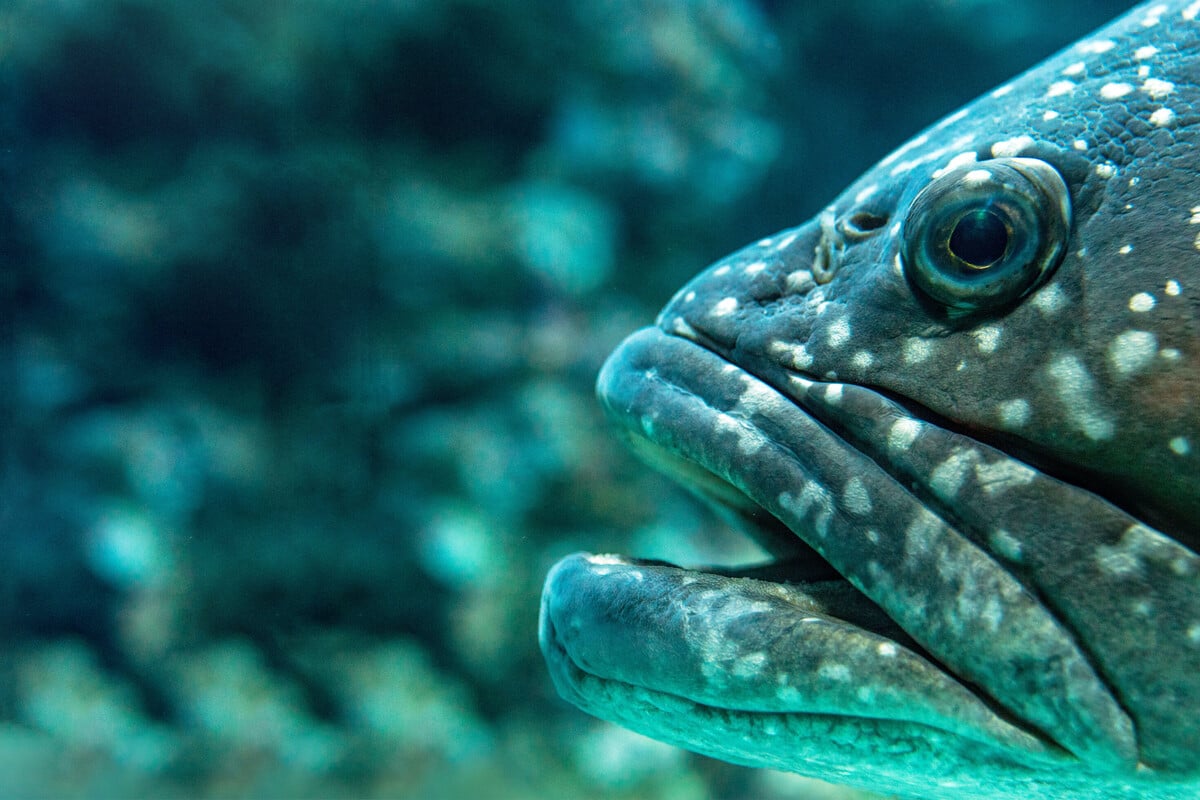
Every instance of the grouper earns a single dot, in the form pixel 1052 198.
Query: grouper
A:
pixel 960 409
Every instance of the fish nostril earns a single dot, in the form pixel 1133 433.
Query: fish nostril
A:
pixel 862 224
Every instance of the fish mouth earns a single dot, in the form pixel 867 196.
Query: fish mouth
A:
pixel 877 621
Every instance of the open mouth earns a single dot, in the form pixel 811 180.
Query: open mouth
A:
pixel 877 610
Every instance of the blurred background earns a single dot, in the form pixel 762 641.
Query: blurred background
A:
pixel 301 304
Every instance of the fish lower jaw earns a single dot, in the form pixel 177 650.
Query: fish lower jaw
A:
pixel 718 665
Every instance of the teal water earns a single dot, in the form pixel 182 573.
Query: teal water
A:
pixel 300 312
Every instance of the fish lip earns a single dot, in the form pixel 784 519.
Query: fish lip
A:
pixel 679 395
pixel 621 390
pixel 586 613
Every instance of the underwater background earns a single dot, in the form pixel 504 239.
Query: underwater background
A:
pixel 301 304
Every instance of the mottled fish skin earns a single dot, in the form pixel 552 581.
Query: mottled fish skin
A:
pixel 1002 467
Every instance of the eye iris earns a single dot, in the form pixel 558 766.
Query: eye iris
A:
pixel 983 235
pixel 980 238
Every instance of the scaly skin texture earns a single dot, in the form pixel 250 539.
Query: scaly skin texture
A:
pixel 1005 493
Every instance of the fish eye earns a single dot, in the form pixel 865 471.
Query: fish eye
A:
pixel 984 235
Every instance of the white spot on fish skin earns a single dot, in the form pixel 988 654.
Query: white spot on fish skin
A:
pixel 1097 46
pixel 920 533
pixel 948 476
pixel 689 297
pixel 1125 249
pixel 833 393
pixel 791 355
pixel 992 613
pixel 1132 351
pixel 813 497
pixel 801 383
pixel 749 665
pixel 839 333
pixel 1059 88
pixel 764 242
pixel 1147 51
pixel 604 559
pixel 855 497
pixel 1143 71
pixel 1169 354
pixel 1079 144
pixel 785 243
pixel 1049 299
pixel 886 649
pixel 754 268
pixel 987 338
pixel 1162 117
pixel 1075 69
pixel 1153 16
pixel 1003 90
pixel 1157 89
pixel 977 176
pixel 1121 559
pixel 1014 413
pixel 1191 11
pixel 1076 389
pixel 1180 446
pixel 1006 545
pixel 960 160
pixel 866 192
pixel 862 360
pixel 749 439
pixel 1011 147
pixel 839 673
pixel 1141 302
pixel 800 281
pixel 1002 475
pixel 721 271
pixel 1173 288
pixel 1050 115
pixel 680 327
pixel 1106 170
pixel 725 307
pixel 902 434
pixel 917 350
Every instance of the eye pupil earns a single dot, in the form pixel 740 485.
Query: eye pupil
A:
pixel 980 238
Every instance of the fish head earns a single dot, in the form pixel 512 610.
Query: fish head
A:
pixel 1075 345
pixel 957 408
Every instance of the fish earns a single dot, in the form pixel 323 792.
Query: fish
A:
pixel 958 409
